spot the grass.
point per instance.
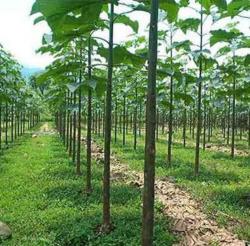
(221, 187)
(3, 136)
(43, 203)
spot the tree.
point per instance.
(149, 162)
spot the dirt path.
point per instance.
(45, 129)
(188, 220)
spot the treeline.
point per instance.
(19, 103)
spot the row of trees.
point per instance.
(107, 83)
(19, 105)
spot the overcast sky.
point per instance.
(18, 34)
(21, 38)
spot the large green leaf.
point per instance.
(189, 24)
(247, 60)
(244, 42)
(221, 4)
(122, 56)
(100, 87)
(69, 16)
(222, 36)
(223, 50)
(172, 9)
(50, 8)
(237, 6)
(208, 62)
(182, 96)
(207, 4)
(184, 3)
(122, 19)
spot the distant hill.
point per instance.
(27, 72)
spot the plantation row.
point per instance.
(189, 80)
(19, 104)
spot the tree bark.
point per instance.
(149, 162)
(89, 126)
(199, 113)
(107, 138)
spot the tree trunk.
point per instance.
(124, 121)
(78, 156)
(149, 163)
(89, 126)
(233, 113)
(170, 126)
(199, 113)
(135, 119)
(107, 139)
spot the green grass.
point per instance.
(42, 200)
(3, 137)
(221, 186)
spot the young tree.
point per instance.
(149, 162)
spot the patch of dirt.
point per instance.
(226, 149)
(187, 218)
(45, 129)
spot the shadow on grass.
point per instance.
(244, 160)
(81, 229)
(237, 196)
(78, 228)
(73, 192)
(181, 169)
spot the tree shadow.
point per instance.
(184, 170)
(238, 197)
(80, 229)
(244, 161)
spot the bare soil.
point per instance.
(188, 220)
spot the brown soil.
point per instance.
(187, 218)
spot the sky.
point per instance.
(19, 36)
(22, 38)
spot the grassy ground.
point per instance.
(3, 137)
(42, 200)
(221, 186)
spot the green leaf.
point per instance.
(100, 85)
(223, 50)
(50, 8)
(39, 19)
(69, 17)
(221, 4)
(182, 96)
(208, 62)
(122, 56)
(184, 3)
(222, 36)
(247, 60)
(207, 4)
(244, 43)
(122, 19)
(189, 24)
(172, 9)
(237, 6)
(165, 72)
(190, 79)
